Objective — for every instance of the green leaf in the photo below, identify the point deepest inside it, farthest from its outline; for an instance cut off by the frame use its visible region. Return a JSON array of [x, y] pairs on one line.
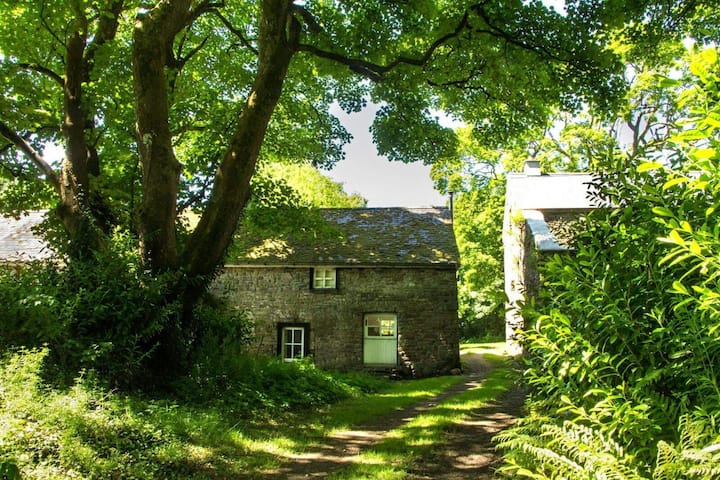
[[695, 248], [675, 181], [675, 238], [647, 166], [678, 287], [703, 153], [662, 211]]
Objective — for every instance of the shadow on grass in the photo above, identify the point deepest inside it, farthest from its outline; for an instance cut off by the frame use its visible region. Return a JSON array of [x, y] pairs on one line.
[[209, 443], [397, 452]]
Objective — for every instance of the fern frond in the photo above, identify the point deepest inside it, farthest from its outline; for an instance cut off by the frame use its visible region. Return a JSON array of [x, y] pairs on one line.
[[543, 449]]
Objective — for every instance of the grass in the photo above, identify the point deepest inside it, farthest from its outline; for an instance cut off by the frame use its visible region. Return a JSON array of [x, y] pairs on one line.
[[86, 432], [401, 448]]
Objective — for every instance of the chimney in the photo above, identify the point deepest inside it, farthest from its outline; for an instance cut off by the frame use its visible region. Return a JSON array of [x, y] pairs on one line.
[[532, 167]]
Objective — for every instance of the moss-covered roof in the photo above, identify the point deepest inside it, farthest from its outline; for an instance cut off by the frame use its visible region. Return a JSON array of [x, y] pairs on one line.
[[364, 236]]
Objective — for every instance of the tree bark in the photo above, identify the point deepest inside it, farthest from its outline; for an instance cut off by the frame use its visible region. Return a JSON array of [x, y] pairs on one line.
[[152, 40], [74, 177], [80, 161], [278, 39]]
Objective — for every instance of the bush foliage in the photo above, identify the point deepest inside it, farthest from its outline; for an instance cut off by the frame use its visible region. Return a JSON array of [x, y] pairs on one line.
[[104, 314], [624, 356], [87, 431]]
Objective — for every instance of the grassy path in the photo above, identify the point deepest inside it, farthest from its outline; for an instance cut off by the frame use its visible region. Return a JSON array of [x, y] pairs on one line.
[[417, 440]]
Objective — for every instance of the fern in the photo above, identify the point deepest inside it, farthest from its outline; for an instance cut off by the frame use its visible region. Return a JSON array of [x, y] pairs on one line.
[[539, 448], [696, 455]]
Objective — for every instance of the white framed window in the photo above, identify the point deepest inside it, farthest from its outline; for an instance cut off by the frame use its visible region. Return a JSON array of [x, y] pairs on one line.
[[381, 325], [292, 342], [324, 278]]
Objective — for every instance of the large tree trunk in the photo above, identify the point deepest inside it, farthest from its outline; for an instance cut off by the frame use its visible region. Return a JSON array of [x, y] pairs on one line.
[[74, 177], [152, 43], [277, 42], [74, 209], [153, 36], [78, 207]]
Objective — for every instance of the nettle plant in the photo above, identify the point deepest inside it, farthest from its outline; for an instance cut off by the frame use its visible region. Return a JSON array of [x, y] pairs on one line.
[[624, 357]]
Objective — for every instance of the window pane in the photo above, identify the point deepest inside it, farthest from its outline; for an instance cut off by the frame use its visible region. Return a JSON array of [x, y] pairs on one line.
[[381, 325], [293, 342], [324, 278]]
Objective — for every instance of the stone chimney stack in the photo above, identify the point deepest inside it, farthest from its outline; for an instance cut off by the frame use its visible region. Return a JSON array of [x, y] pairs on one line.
[[532, 167]]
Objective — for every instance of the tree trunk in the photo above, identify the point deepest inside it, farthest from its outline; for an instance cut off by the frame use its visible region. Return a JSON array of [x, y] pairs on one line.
[[277, 42], [74, 173], [82, 212], [152, 40], [153, 36]]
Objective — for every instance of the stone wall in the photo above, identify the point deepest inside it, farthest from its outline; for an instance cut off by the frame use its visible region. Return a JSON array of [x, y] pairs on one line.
[[424, 300]]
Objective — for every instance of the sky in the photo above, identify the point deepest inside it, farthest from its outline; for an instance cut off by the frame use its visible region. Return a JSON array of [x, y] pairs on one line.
[[381, 182]]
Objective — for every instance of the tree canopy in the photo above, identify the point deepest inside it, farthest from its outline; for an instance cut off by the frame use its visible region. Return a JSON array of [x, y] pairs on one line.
[[162, 105]]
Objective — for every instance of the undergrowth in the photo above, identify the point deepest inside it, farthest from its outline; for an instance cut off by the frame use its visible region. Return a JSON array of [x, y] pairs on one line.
[[88, 432], [624, 354]]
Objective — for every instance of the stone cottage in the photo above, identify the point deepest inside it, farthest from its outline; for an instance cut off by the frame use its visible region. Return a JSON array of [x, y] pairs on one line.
[[538, 208], [376, 289], [378, 292]]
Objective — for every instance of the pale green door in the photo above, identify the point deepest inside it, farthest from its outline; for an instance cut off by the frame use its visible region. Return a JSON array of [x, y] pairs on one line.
[[380, 345]]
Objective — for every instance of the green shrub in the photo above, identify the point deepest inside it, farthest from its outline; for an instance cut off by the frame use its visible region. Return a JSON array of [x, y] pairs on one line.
[[248, 385], [107, 314], [624, 356], [104, 313], [87, 432]]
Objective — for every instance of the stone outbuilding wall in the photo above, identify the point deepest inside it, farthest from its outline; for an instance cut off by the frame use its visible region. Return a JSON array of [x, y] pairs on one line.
[[424, 300], [539, 211]]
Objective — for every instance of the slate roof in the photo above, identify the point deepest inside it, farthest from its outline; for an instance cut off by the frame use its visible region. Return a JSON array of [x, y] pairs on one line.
[[358, 236], [555, 191], [366, 237], [18, 243]]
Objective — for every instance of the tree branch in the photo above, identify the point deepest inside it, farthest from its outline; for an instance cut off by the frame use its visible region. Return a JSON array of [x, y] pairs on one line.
[[43, 20], [512, 38], [179, 61], [307, 17], [374, 71], [44, 71], [465, 83], [246, 43], [206, 6], [31, 153], [106, 31]]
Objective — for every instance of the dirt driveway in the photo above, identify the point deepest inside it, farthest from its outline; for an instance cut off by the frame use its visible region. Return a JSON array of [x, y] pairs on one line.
[[467, 454], [469, 451]]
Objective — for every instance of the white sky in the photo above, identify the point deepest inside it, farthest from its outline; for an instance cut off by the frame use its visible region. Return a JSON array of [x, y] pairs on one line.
[[381, 182]]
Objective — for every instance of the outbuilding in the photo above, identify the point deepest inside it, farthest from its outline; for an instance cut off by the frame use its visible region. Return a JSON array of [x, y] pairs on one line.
[[376, 290]]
